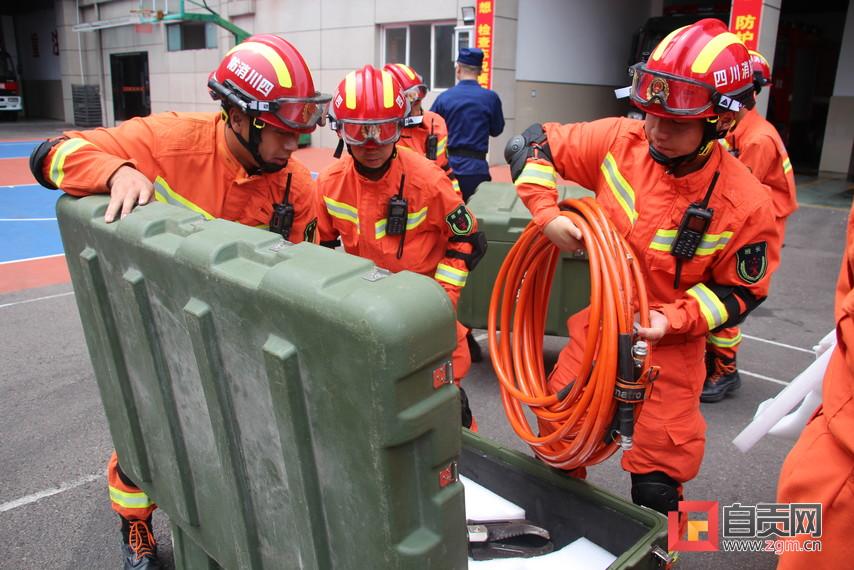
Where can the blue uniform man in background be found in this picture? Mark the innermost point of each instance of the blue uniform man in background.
(472, 114)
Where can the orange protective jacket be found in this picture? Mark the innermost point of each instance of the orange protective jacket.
(838, 390)
(756, 143)
(730, 273)
(356, 209)
(415, 137)
(820, 466)
(186, 157)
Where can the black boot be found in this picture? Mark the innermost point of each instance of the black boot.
(721, 378)
(474, 348)
(139, 546)
(467, 417)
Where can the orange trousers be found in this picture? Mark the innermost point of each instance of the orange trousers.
(670, 432)
(461, 356)
(819, 470)
(128, 500)
(725, 341)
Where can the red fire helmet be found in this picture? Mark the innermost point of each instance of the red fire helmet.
(700, 71)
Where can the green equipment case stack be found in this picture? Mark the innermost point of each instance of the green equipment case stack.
(292, 407)
(503, 217)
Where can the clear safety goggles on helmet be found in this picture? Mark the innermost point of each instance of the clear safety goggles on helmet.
(297, 113)
(300, 113)
(676, 95)
(358, 133)
(416, 93)
(683, 96)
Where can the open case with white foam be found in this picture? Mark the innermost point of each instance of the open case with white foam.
(583, 520)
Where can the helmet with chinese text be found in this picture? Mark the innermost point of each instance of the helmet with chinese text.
(699, 71)
(268, 79)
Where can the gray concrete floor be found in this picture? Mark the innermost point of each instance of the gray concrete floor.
(54, 509)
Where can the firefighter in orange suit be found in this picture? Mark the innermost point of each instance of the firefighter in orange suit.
(424, 132)
(756, 143)
(647, 175)
(397, 209)
(235, 165)
(820, 467)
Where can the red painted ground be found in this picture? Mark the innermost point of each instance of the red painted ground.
(15, 171)
(20, 275)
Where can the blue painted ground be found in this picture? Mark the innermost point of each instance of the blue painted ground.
(23, 234)
(17, 149)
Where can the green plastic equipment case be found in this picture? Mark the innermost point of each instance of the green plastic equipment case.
(503, 217)
(292, 407)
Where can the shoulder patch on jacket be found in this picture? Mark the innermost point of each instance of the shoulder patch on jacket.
(752, 262)
(460, 221)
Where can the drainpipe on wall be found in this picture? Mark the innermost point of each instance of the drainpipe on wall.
(80, 47)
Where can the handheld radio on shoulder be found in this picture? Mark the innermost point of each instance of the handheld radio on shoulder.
(692, 228)
(283, 214)
(398, 213)
(432, 144)
(432, 147)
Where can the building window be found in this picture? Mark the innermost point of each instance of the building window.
(190, 35)
(427, 48)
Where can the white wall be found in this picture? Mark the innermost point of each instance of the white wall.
(577, 41)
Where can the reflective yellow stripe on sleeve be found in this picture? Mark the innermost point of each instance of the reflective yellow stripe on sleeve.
(540, 174)
(164, 193)
(710, 243)
(620, 187)
(440, 146)
(456, 184)
(787, 165)
(451, 275)
(341, 210)
(724, 342)
(413, 220)
(130, 500)
(713, 310)
(57, 163)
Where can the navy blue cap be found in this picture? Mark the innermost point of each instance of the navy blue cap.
(471, 56)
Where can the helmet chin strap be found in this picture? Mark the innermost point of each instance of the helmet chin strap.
(710, 134)
(252, 146)
(373, 172)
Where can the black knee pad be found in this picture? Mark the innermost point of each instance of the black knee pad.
(656, 490)
(37, 158)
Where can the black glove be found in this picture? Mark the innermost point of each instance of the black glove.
(533, 142)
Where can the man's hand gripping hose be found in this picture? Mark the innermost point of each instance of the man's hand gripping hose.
(577, 425)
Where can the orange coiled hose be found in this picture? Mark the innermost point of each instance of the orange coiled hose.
(572, 424)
